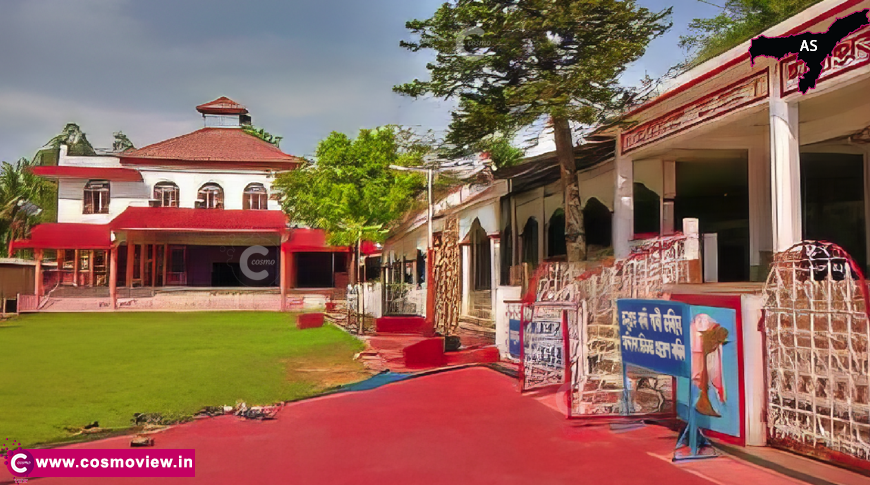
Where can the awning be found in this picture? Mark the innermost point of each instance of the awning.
(88, 173)
(199, 220)
(66, 236)
(304, 240)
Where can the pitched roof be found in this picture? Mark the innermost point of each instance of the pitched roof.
(203, 220)
(211, 145)
(222, 106)
(66, 236)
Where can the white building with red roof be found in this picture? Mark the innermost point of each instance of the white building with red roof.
(194, 211)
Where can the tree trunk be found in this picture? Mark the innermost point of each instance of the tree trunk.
(575, 233)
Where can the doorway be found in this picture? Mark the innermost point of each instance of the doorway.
(717, 194)
(832, 201)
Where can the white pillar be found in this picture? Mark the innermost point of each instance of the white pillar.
(467, 286)
(669, 193)
(760, 225)
(494, 252)
(785, 173)
(623, 203)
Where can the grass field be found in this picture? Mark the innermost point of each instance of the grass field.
(67, 370)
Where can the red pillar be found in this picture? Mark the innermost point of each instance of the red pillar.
(165, 262)
(131, 255)
(142, 258)
(37, 287)
(153, 266)
(91, 260)
(113, 277)
(76, 267)
(283, 277)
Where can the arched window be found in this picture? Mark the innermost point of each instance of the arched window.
(556, 245)
(255, 198)
(507, 251)
(166, 194)
(481, 257)
(530, 242)
(96, 197)
(210, 196)
(599, 224)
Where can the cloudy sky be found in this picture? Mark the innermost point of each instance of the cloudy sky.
(303, 68)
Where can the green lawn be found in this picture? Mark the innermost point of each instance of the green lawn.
(62, 370)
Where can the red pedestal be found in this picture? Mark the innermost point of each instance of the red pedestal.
(309, 320)
(425, 353)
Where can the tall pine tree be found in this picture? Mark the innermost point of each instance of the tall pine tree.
(511, 63)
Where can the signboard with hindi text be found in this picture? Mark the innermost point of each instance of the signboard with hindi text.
(654, 335)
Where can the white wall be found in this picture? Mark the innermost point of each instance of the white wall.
(137, 194)
(502, 326)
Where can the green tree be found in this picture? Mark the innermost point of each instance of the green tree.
(263, 135)
(511, 63)
(739, 21)
(73, 137)
(121, 143)
(350, 192)
(22, 195)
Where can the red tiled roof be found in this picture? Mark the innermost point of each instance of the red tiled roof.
(200, 220)
(102, 173)
(222, 106)
(66, 236)
(211, 145)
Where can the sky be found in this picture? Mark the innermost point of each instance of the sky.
(302, 68)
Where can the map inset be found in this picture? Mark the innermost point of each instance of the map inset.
(811, 48)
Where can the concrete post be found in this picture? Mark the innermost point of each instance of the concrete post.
(113, 277)
(785, 173)
(623, 203)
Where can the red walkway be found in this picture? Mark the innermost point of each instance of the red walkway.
(467, 426)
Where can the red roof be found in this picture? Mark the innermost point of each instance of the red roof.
(199, 220)
(88, 173)
(222, 106)
(67, 236)
(231, 145)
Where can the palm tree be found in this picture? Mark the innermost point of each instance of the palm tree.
(21, 195)
(73, 137)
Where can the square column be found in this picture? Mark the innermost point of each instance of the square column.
(38, 276)
(623, 203)
(785, 173)
(669, 195)
(466, 279)
(113, 277)
(283, 277)
(131, 256)
(760, 211)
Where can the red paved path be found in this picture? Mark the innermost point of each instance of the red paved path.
(467, 427)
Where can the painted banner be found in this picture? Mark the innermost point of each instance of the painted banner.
(850, 53)
(514, 338)
(543, 349)
(715, 371)
(654, 335)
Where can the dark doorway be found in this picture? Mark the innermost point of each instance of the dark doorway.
(556, 244)
(647, 212)
(717, 194)
(225, 274)
(315, 270)
(599, 225)
(832, 196)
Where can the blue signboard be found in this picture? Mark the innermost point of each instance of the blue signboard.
(654, 334)
(715, 380)
(514, 338)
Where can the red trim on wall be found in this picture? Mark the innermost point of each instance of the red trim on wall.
(733, 62)
(763, 73)
(735, 303)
